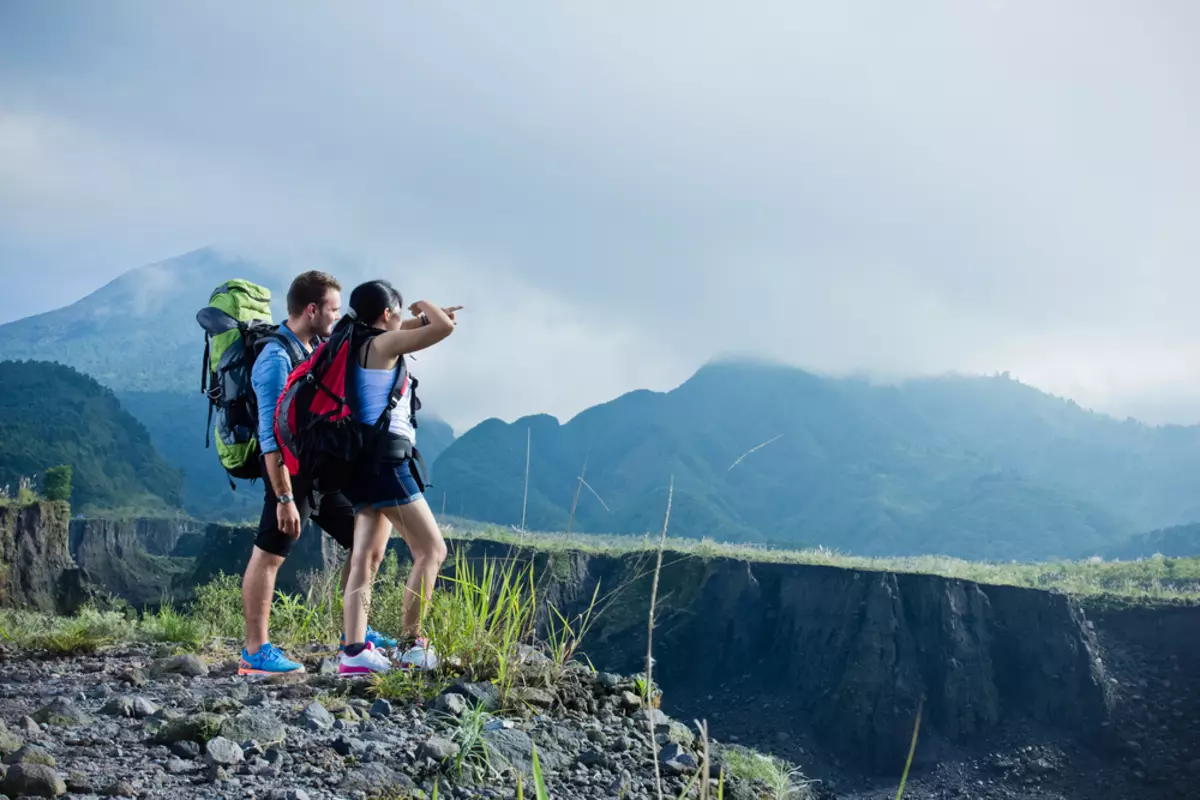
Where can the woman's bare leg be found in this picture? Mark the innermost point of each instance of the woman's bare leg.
(371, 531)
(416, 524)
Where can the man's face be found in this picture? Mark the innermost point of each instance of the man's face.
(327, 313)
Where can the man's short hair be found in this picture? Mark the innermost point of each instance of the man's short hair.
(310, 287)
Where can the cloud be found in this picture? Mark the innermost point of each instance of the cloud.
(851, 188)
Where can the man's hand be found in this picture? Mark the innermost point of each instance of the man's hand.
(289, 519)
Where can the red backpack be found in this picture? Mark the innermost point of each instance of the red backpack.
(317, 432)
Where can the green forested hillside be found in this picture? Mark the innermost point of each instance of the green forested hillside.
(51, 414)
(1180, 541)
(978, 468)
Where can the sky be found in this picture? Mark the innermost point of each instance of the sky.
(619, 192)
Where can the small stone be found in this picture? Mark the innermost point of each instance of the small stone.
(177, 766)
(258, 724)
(630, 700)
(121, 789)
(438, 749)
(63, 713)
(187, 664)
(31, 754)
(608, 680)
(327, 667)
(1042, 767)
(316, 717)
(121, 706)
(221, 705)
(29, 726)
(593, 758)
(486, 695)
(381, 708)
(32, 780)
(79, 783)
(9, 742)
(676, 760)
(185, 749)
(135, 677)
(676, 732)
(535, 697)
(143, 708)
(345, 747)
(223, 752)
(452, 703)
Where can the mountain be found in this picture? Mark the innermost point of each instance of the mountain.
(971, 467)
(1179, 541)
(51, 414)
(138, 336)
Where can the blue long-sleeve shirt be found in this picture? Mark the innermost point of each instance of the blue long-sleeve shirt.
(270, 374)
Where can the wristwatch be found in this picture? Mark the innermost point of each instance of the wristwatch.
(424, 319)
(284, 499)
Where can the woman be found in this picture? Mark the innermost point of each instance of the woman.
(384, 491)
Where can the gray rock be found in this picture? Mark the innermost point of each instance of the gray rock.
(135, 677)
(143, 708)
(452, 703)
(79, 783)
(254, 723)
(177, 766)
(327, 667)
(630, 700)
(31, 754)
(591, 758)
(187, 664)
(438, 749)
(195, 728)
(381, 708)
(514, 747)
(349, 746)
(185, 748)
(9, 742)
(316, 717)
(676, 760)
(62, 713)
(608, 680)
(222, 752)
(675, 732)
(28, 726)
(540, 699)
(120, 706)
(121, 789)
(221, 705)
(32, 780)
(479, 694)
(369, 778)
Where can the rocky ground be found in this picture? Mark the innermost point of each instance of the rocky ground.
(138, 722)
(128, 724)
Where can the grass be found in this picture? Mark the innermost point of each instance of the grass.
(1157, 579)
(783, 780)
(86, 632)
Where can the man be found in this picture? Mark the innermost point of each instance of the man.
(314, 304)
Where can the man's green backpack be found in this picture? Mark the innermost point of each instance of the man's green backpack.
(237, 323)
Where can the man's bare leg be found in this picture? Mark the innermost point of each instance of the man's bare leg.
(258, 587)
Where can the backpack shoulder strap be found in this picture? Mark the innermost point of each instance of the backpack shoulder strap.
(290, 346)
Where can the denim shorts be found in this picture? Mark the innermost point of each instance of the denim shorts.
(383, 487)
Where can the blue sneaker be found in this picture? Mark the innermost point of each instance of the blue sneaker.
(374, 637)
(269, 660)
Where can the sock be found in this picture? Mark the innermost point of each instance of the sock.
(354, 649)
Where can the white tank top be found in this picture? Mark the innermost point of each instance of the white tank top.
(374, 386)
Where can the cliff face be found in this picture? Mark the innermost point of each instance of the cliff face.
(850, 654)
(227, 549)
(36, 570)
(133, 559)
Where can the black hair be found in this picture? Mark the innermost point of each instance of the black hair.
(369, 300)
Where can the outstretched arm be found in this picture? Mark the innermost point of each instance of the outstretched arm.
(409, 340)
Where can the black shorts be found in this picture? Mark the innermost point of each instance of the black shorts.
(331, 512)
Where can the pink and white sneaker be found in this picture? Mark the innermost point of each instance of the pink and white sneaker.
(368, 661)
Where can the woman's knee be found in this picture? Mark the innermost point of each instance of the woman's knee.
(367, 558)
